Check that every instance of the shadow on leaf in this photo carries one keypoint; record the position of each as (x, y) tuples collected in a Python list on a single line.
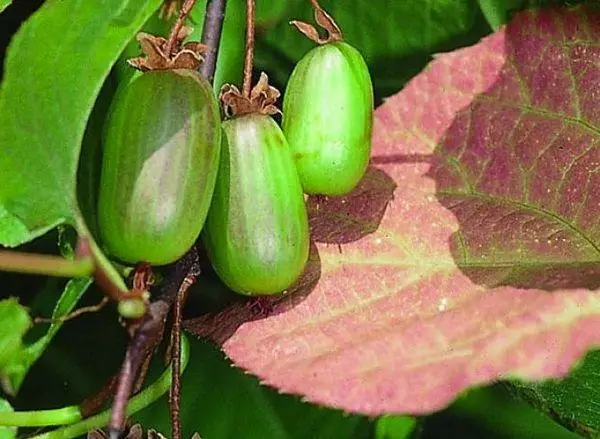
[(518, 166), (340, 220), (222, 324)]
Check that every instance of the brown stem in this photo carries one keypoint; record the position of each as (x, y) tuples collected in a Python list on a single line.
[(175, 393), (74, 314), (186, 8), (211, 36), (147, 336), (249, 56)]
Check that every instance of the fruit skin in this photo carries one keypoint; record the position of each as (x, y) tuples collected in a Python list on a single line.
[(160, 161), (256, 234), (328, 118)]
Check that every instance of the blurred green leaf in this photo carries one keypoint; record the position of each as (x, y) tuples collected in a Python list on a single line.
[(573, 401), (7, 432), (499, 12), (221, 402), (3, 5), (269, 13), (45, 102), (492, 413), (20, 364), (396, 38), (395, 427), (15, 323)]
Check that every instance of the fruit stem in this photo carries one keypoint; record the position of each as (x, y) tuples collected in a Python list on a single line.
[(211, 36), (41, 418), (249, 56), (186, 8), (45, 264)]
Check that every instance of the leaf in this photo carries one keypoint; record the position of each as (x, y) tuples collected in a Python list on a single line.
[(484, 265), (269, 12), (395, 427), (45, 102), (396, 39), (15, 323), (3, 5), (7, 432), (28, 355), (498, 12), (231, 401), (492, 413), (573, 401)]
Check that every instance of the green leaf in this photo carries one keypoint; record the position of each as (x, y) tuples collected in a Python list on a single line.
[(11, 229), (396, 39), (20, 364), (15, 323), (219, 401), (7, 432), (45, 102), (3, 5), (492, 413), (499, 12), (574, 401), (395, 427), (496, 12)]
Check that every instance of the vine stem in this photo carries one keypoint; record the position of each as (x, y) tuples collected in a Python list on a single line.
[(147, 335), (211, 36), (175, 393), (249, 55), (186, 8)]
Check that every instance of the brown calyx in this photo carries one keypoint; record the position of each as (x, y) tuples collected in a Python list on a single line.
[(325, 22), (156, 57), (261, 100)]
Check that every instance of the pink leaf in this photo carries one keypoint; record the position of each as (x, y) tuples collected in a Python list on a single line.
[(483, 265)]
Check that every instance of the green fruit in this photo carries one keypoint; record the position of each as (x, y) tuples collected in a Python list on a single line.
[(328, 118), (161, 152), (256, 233)]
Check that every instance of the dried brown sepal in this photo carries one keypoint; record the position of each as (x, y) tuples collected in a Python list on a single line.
[(181, 56), (169, 9), (325, 21), (262, 99)]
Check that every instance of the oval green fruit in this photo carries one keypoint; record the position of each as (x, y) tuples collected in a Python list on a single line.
[(328, 118), (256, 234), (161, 152)]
